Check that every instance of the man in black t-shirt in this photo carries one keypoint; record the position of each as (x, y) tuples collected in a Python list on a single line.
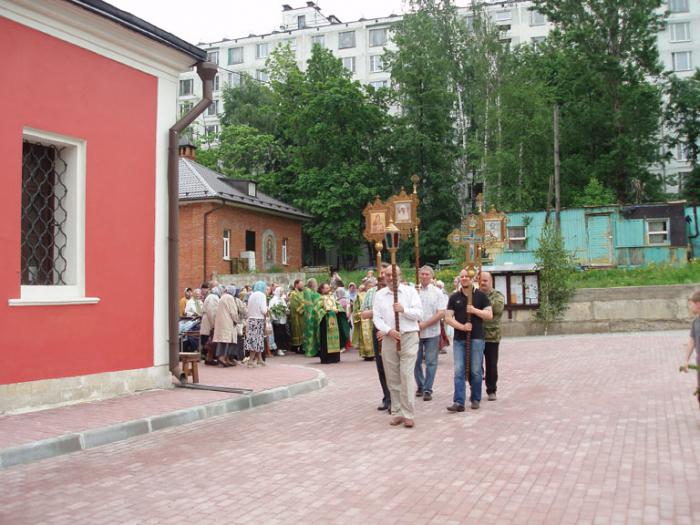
[(456, 316)]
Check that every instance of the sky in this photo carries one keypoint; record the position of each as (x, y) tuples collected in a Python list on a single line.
[(213, 20)]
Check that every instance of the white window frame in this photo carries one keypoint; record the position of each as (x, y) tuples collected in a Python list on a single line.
[(285, 260), (674, 30), (351, 61), (682, 153), (372, 32), (537, 40), (376, 64), (262, 75), (234, 75), (262, 50), (74, 154), (666, 231), (217, 82), (503, 16), (523, 239), (301, 22), (213, 56), (340, 42), (186, 82), (682, 3), (252, 189), (318, 39), (214, 129), (230, 55), (227, 245), (674, 60), (537, 18), (379, 84), (213, 108)]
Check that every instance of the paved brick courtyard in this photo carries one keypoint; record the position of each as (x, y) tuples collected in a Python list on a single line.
[(587, 429)]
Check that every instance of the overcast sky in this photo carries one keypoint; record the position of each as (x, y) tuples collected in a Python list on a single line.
[(212, 20)]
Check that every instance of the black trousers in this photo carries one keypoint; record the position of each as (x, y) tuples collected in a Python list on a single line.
[(380, 369), (491, 362), (281, 337)]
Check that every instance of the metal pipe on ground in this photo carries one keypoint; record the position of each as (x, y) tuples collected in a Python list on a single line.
[(206, 71)]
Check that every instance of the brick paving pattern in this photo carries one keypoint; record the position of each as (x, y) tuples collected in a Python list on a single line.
[(587, 429)]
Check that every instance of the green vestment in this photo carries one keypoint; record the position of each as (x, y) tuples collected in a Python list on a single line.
[(313, 313), (296, 309)]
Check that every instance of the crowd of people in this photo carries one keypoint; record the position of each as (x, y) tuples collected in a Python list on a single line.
[(244, 326)]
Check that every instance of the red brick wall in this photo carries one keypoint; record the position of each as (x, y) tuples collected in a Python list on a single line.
[(238, 220)]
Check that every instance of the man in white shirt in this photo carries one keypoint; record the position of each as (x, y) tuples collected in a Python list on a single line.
[(193, 308), (434, 303), (399, 366)]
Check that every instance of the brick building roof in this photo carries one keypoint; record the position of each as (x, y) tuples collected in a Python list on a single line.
[(199, 183)]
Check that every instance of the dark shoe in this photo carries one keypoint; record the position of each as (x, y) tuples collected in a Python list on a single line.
[(419, 392), (456, 408), (492, 396), (475, 405), (427, 396), (383, 407)]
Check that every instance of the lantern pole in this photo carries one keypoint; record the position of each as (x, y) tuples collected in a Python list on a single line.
[(392, 243), (416, 235)]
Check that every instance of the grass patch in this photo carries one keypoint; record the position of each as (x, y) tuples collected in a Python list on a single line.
[(647, 275)]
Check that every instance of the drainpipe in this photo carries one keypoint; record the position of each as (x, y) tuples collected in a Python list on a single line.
[(204, 251), (206, 71)]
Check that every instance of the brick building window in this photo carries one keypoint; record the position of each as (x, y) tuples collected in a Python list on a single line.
[(227, 245), (249, 241), (285, 260)]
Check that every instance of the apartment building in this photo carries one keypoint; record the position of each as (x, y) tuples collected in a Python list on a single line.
[(360, 44)]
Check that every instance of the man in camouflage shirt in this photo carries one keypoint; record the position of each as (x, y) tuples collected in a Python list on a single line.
[(492, 333)]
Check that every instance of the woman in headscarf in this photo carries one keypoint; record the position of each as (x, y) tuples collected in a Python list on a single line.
[(255, 334), (278, 313), (225, 332), (238, 353), (211, 303)]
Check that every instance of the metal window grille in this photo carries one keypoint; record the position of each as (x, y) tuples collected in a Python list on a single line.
[(44, 215)]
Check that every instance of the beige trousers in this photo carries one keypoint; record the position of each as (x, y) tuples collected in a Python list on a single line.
[(399, 369)]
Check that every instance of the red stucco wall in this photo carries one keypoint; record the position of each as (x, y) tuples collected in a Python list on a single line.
[(54, 86)]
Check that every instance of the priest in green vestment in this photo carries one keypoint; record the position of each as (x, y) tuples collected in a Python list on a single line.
[(312, 318), (296, 309), (329, 329)]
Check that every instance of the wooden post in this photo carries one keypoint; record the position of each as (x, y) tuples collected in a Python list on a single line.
[(395, 289)]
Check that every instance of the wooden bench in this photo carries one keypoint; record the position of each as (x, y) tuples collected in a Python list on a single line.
[(190, 366)]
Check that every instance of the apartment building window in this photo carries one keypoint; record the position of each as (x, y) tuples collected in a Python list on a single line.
[(503, 16), (227, 245), (678, 6), (375, 64), (349, 63), (377, 37), (346, 39), (301, 22), (537, 40), (680, 32), (213, 108), (319, 39), (682, 153), (657, 231), (682, 61), (262, 50), (212, 129), (235, 55), (185, 107), (262, 75), (537, 18), (292, 43), (217, 82), (285, 260), (517, 238), (379, 84), (186, 87), (52, 225), (470, 23), (213, 56), (234, 79)]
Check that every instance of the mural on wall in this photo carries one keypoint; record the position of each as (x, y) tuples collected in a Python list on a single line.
[(269, 243)]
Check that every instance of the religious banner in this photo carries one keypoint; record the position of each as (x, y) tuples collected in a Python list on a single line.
[(470, 236), (404, 209), (377, 216)]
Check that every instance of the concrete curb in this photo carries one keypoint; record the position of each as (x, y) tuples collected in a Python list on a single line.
[(52, 447)]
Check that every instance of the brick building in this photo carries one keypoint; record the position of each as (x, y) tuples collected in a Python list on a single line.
[(227, 225)]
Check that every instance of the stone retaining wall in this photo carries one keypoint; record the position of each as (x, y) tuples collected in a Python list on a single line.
[(624, 309)]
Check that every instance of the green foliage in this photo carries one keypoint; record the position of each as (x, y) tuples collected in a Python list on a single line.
[(556, 267), (651, 274), (594, 194), (683, 114)]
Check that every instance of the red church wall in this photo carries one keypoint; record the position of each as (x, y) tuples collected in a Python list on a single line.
[(53, 86), (238, 220)]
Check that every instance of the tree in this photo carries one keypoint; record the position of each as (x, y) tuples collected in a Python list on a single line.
[(556, 266), (595, 194), (610, 94), (683, 119)]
